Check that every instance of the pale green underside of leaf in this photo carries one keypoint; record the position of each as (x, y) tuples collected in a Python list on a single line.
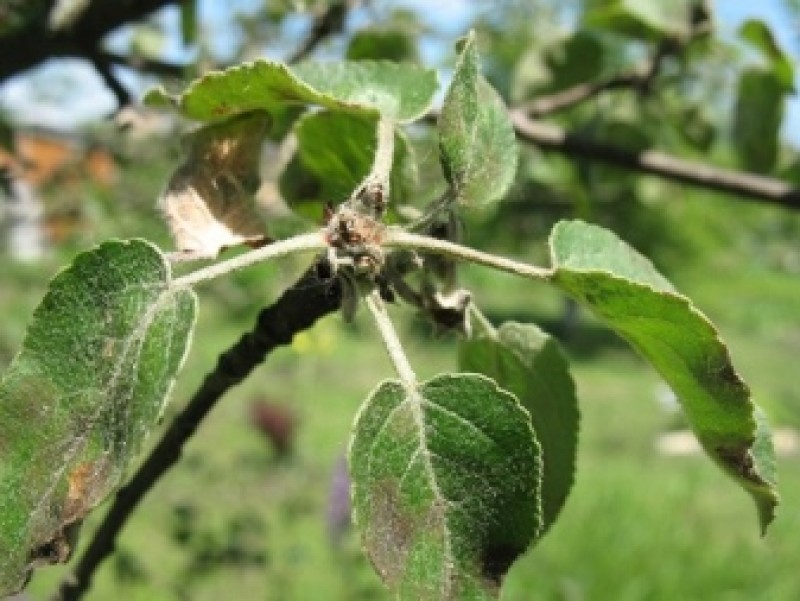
[(399, 92), (87, 387), (622, 288), (477, 144), (529, 363), (446, 483)]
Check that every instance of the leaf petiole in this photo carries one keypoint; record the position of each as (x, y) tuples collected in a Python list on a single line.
[(390, 340), (300, 243), (396, 238)]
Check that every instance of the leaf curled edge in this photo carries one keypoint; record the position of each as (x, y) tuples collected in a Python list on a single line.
[(622, 288), (399, 92)]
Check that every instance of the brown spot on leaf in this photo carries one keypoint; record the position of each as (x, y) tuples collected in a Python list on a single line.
[(221, 110), (84, 484), (740, 460), (56, 550), (390, 532)]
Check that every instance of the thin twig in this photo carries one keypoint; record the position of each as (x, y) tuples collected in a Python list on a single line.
[(749, 185), (316, 294), (103, 67), (145, 65), (641, 78), (329, 22)]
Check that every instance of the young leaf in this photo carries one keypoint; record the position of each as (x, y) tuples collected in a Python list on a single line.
[(88, 386), (477, 146), (623, 289), (208, 202), (757, 119), (574, 60), (400, 92), (529, 363), (446, 480)]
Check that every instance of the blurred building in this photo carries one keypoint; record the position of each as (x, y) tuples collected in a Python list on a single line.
[(36, 161)]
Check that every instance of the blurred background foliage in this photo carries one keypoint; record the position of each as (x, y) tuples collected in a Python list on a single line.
[(253, 510)]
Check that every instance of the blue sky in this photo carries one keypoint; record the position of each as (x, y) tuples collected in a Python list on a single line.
[(65, 93)]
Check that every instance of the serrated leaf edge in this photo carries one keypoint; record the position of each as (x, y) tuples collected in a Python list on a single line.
[(449, 564), (754, 482)]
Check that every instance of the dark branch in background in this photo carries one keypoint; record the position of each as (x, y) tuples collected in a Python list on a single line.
[(640, 79), (553, 138), (103, 66), (329, 22), (316, 294), (145, 65), (28, 47)]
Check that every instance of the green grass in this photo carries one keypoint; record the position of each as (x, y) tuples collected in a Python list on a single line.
[(232, 521), (637, 526)]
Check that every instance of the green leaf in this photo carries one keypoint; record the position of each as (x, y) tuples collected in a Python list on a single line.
[(623, 289), (336, 152), (757, 119), (87, 387), (645, 19), (477, 145), (382, 44), (759, 35), (401, 92), (445, 485), (529, 363), (574, 60)]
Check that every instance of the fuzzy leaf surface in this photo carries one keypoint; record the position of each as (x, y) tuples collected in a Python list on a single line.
[(86, 389), (529, 363), (446, 482), (624, 290), (399, 92), (477, 145)]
